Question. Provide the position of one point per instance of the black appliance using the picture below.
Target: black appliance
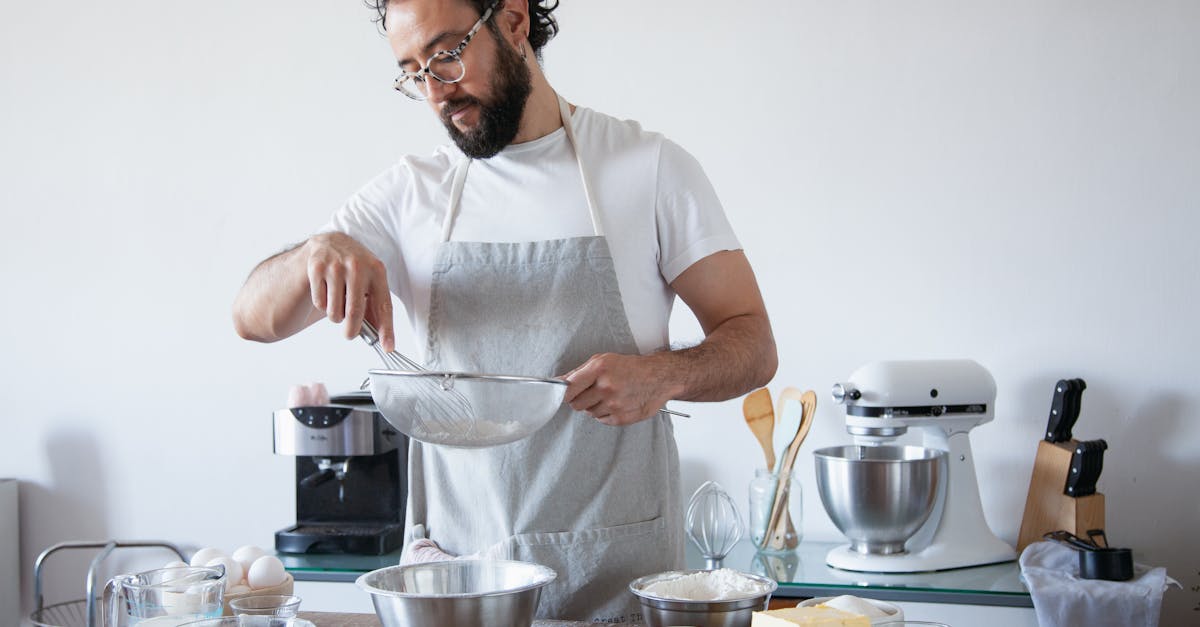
(350, 480)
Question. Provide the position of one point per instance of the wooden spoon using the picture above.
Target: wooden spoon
(777, 537)
(760, 417)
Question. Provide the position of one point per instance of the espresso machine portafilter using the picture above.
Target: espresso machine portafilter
(350, 488)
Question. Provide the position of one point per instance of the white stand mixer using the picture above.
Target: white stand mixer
(945, 399)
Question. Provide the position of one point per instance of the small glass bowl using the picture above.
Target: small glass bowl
(282, 605)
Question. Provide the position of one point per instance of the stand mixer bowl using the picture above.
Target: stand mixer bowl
(879, 496)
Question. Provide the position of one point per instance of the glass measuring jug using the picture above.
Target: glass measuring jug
(166, 597)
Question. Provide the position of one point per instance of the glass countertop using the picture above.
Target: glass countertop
(334, 567)
(801, 574)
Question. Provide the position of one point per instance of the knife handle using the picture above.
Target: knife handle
(1058, 409)
(1086, 464)
(1074, 402)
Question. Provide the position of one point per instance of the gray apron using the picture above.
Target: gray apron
(598, 504)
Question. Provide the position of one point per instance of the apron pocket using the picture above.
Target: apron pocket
(594, 568)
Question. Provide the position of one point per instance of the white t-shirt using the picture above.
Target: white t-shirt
(658, 210)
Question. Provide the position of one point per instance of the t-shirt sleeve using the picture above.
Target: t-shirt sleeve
(369, 216)
(691, 221)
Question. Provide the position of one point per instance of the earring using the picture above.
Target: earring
(523, 52)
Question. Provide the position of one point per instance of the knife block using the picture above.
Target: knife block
(1047, 507)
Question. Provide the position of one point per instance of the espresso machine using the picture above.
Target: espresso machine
(350, 488)
(871, 489)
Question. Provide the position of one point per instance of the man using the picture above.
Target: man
(560, 254)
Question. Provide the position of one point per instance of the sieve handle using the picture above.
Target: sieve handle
(664, 410)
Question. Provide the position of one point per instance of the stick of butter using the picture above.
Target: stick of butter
(815, 616)
(855, 605)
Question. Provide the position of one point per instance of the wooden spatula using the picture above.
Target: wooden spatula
(760, 417)
(776, 531)
(788, 414)
(787, 423)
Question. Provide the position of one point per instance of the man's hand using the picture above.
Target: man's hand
(349, 284)
(330, 275)
(618, 389)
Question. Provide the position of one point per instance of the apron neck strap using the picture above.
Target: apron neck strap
(460, 179)
(564, 111)
(456, 189)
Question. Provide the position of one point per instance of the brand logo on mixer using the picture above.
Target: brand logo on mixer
(318, 437)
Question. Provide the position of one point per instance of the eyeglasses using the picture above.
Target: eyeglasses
(446, 66)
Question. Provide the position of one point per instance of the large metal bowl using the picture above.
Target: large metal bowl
(481, 593)
(664, 612)
(879, 496)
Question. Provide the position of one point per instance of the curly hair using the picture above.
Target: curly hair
(542, 25)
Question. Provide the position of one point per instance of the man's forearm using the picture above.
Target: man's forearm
(733, 359)
(275, 302)
(736, 356)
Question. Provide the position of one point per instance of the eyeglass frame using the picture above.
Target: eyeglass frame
(455, 52)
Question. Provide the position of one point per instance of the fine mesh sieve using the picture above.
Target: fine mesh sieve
(498, 408)
(461, 409)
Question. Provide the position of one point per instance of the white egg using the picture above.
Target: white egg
(177, 602)
(205, 555)
(233, 570)
(176, 564)
(265, 572)
(246, 555)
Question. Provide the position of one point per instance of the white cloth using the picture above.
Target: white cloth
(1062, 599)
(422, 550)
(661, 214)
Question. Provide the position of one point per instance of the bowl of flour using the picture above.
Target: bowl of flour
(704, 598)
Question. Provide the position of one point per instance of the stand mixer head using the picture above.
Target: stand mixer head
(885, 398)
(944, 400)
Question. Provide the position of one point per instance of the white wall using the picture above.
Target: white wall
(1013, 182)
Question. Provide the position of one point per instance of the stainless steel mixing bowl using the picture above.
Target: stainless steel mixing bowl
(480, 593)
(661, 612)
(879, 496)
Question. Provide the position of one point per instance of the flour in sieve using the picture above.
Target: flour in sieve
(712, 585)
(482, 432)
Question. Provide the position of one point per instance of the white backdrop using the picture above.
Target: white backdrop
(1013, 182)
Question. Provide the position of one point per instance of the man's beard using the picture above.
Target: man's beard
(500, 119)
